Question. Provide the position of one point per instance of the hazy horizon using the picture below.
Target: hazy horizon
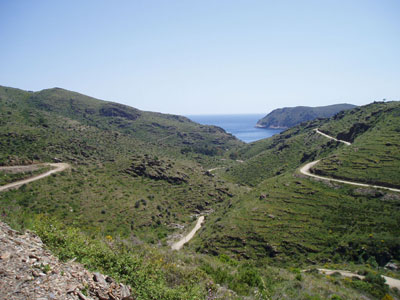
(202, 58)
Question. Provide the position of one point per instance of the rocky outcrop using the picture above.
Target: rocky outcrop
(119, 110)
(28, 271)
(356, 130)
(156, 169)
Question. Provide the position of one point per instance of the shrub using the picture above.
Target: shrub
(372, 284)
(299, 277)
(146, 273)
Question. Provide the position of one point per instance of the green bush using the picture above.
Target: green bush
(144, 272)
(372, 284)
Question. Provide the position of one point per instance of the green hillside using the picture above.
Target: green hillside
(139, 179)
(289, 217)
(133, 172)
(290, 116)
(53, 122)
(279, 154)
(374, 154)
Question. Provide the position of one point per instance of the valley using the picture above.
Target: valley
(115, 188)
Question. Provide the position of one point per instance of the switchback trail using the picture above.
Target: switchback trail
(306, 171)
(59, 167)
(179, 244)
(391, 282)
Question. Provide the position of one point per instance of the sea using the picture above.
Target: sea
(241, 126)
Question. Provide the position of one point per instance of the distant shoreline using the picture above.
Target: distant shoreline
(270, 127)
(242, 126)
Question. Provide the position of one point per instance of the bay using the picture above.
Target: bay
(241, 126)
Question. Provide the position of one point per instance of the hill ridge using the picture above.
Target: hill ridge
(287, 117)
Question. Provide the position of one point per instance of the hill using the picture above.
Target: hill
(28, 118)
(374, 155)
(290, 116)
(138, 180)
(134, 173)
(288, 217)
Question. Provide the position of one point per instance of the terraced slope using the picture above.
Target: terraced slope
(288, 217)
(279, 154)
(137, 178)
(374, 155)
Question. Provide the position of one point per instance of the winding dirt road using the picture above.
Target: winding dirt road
(179, 244)
(306, 170)
(391, 282)
(59, 167)
(331, 137)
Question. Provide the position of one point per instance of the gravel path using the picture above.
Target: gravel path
(331, 137)
(391, 282)
(59, 167)
(306, 171)
(179, 244)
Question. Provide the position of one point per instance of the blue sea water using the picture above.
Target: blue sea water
(241, 126)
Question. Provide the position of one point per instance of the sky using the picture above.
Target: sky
(205, 57)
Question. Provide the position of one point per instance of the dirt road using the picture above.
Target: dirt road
(179, 244)
(391, 282)
(59, 167)
(306, 171)
(331, 137)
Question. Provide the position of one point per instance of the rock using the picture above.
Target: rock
(5, 255)
(125, 293)
(271, 216)
(71, 288)
(154, 169)
(208, 173)
(392, 266)
(99, 278)
(81, 296)
(102, 295)
(22, 258)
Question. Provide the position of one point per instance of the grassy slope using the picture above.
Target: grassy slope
(302, 220)
(161, 274)
(279, 154)
(100, 194)
(374, 155)
(9, 177)
(55, 118)
(99, 197)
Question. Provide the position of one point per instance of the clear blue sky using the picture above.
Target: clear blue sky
(201, 57)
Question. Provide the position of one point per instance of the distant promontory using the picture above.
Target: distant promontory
(290, 116)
